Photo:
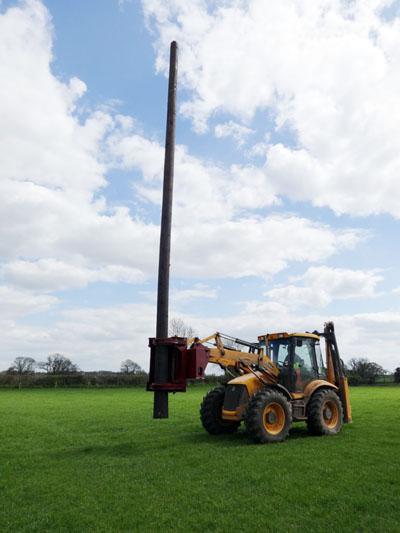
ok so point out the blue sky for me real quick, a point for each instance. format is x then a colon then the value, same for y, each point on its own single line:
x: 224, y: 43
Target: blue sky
x: 286, y: 190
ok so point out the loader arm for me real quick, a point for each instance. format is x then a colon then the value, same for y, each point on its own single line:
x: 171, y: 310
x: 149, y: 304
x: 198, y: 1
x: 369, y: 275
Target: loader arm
x: 238, y: 361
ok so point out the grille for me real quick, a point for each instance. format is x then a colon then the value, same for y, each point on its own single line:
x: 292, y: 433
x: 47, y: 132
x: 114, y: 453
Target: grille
x: 235, y: 395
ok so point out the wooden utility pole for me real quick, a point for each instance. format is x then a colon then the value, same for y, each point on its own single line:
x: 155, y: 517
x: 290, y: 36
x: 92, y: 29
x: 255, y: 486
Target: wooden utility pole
x: 161, y: 362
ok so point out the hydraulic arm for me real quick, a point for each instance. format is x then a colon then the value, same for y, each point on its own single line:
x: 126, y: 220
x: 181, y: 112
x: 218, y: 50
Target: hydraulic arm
x: 335, y: 369
x: 237, y: 356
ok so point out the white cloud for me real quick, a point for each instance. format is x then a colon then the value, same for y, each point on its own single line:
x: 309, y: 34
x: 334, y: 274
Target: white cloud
x: 53, y: 172
x: 215, y: 233
x: 203, y: 190
x: 232, y: 129
x: 198, y: 291
x: 16, y: 303
x: 321, y: 285
x: 255, y: 246
x: 54, y: 275
x: 43, y: 142
x: 259, y: 149
x: 53, y: 169
x: 327, y: 70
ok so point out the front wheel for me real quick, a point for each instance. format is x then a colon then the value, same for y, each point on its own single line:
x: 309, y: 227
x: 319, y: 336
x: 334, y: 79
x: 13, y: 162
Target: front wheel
x: 211, y: 413
x: 268, y: 417
x: 324, y: 413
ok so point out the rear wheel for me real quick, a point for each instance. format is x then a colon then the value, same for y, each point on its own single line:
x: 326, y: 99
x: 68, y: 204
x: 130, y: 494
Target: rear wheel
x: 324, y: 413
x: 211, y: 413
x: 268, y: 417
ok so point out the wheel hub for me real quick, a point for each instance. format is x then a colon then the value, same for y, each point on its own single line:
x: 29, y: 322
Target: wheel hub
x: 330, y: 414
x: 274, y: 418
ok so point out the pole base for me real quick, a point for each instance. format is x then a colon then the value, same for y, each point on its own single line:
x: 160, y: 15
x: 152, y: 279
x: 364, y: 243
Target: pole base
x: 160, y: 409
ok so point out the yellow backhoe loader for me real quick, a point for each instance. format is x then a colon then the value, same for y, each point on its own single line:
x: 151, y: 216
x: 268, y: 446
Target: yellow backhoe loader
x: 280, y: 379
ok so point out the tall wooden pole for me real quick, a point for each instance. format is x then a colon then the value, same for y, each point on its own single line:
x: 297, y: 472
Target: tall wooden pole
x: 161, y: 363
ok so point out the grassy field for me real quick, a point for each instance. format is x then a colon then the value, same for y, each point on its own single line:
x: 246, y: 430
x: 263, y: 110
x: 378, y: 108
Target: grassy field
x: 94, y: 460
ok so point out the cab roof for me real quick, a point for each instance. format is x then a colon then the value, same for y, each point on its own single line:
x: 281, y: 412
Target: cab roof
x: 282, y: 335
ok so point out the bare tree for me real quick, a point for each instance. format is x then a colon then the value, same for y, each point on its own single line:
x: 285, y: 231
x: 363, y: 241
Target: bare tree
x: 22, y: 365
x: 130, y: 367
x: 178, y: 328
x: 58, y: 364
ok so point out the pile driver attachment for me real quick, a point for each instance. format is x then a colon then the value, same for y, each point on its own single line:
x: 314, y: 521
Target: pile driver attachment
x: 178, y: 362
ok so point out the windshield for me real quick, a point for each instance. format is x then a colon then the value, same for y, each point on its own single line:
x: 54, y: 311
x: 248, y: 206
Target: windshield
x: 278, y: 351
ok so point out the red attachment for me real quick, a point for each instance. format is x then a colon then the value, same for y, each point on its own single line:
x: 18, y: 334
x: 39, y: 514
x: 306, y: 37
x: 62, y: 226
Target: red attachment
x: 196, y: 361
x: 182, y: 363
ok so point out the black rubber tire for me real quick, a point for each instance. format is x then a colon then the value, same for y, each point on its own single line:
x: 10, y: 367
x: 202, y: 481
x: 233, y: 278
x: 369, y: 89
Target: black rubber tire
x: 317, y: 422
x: 211, y: 413
x: 255, y: 416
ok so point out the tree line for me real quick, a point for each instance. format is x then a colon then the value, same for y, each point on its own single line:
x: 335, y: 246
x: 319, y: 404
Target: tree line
x: 58, y: 364
x: 58, y: 370
x: 361, y: 371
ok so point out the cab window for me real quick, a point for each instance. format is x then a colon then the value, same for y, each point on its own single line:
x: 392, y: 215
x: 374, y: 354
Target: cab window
x: 279, y: 352
x: 304, y: 354
x: 320, y: 361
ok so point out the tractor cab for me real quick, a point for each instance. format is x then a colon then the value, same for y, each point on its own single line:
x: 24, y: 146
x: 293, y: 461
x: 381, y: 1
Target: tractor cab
x: 297, y: 356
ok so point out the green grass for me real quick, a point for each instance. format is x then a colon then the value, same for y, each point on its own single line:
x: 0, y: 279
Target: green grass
x: 95, y: 460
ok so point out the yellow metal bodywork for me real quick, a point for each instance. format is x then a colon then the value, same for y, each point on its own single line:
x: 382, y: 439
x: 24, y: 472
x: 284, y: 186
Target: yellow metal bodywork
x: 245, y: 365
x: 314, y: 385
x: 330, y: 372
x: 233, y: 415
x: 253, y: 383
x: 344, y: 386
x: 256, y: 382
x: 274, y: 336
x: 231, y: 358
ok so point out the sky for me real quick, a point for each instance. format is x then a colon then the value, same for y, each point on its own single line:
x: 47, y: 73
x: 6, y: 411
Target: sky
x: 287, y: 187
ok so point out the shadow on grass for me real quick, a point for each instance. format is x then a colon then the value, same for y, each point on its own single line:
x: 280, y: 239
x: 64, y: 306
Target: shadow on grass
x: 299, y: 432
x: 235, y: 439
x: 126, y: 449
x: 194, y: 438
x: 239, y: 438
x: 204, y: 438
